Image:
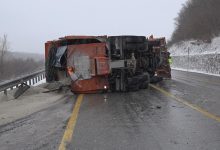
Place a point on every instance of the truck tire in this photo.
(139, 79)
(133, 81)
(134, 39)
(134, 87)
(156, 79)
(134, 46)
(143, 78)
(134, 42)
(144, 85)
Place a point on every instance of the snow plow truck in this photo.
(101, 63)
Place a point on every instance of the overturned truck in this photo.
(100, 63)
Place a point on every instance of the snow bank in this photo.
(197, 56)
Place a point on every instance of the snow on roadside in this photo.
(196, 47)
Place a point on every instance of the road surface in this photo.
(182, 113)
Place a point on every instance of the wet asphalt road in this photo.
(147, 119)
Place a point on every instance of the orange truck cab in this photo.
(86, 55)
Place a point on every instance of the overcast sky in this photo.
(29, 24)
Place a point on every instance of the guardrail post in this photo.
(33, 81)
(188, 60)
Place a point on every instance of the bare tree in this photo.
(4, 46)
(198, 19)
(15, 66)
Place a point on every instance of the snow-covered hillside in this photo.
(197, 56)
(196, 47)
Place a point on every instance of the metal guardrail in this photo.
(29, 79)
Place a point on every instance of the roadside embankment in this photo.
(197, 56)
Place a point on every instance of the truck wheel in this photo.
(144, 85)
(134, 39)
(135, 46)
(134, 88)
(133, 81)
(156, 79)
(144, 77)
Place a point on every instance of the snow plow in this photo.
(101, 63)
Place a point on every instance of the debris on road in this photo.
(158, 107)
(21, 89)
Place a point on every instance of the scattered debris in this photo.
(21, 89)
(158, 107)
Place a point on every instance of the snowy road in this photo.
(182, 113)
